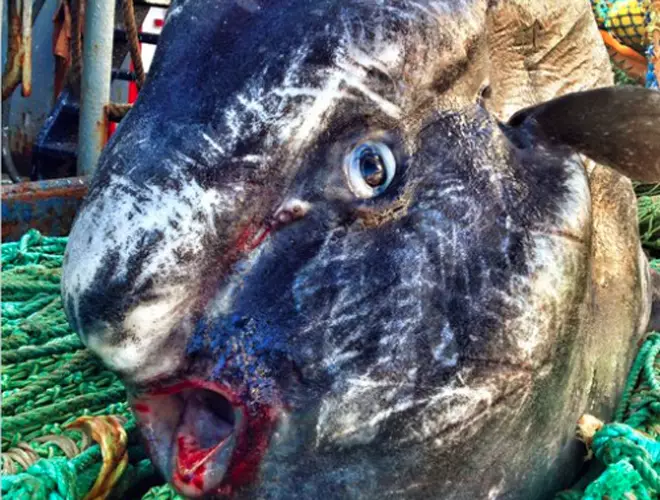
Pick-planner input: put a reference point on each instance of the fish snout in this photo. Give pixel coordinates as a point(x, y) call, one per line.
point(204, 437)
point(138, 329)
point(135, 279)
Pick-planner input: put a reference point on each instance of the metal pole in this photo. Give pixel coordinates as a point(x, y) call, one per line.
point(95, 86)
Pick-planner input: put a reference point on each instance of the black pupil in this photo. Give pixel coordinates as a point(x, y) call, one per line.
point(372, 169)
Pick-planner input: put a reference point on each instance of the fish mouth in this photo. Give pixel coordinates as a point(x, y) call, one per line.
point(193, 431)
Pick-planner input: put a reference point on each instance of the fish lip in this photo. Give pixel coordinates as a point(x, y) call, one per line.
point(193, 383)
point(187, 465)
point(251, 430)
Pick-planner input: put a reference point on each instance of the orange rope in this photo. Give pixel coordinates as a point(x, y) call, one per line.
point(630, 61)
point(621, 49)
point(109, 433)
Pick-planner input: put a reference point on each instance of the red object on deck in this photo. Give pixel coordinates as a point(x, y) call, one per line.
point(132, 86)
point(132, 93)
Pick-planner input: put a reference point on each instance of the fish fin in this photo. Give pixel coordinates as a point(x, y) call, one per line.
point(618, 127)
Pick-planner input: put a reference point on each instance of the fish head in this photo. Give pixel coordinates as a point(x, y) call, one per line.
point(318, 261)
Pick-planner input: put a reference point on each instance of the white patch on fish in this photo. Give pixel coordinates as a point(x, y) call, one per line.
point(439, 350)
point(182, 218)
point(173, 12)
point(144, 331)
point(495, 492)
point(257, 159)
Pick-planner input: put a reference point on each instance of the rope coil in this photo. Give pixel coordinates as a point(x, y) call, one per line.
point(67, 430)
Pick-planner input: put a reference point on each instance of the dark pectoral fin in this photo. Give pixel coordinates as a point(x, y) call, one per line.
point(616, 126)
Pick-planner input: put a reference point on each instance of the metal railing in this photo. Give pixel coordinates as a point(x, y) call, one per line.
point(97, 74)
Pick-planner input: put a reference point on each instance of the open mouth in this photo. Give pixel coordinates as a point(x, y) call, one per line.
point(204, 442)
point(192, 431)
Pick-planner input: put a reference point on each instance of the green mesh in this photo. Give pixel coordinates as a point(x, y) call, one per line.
point(48, 380)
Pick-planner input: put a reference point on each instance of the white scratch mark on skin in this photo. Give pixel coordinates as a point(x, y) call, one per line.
point(439, 351)
point(252, 158)
point(179, 158)
point(233, 122)
point(339, 357)
point(308, 92)
point(172, 13)
point(213, 143)
point(421, 8)
point(495, 491)
point(378, 418)
point(355, 65)
point(354, 422)
point(296, 109)
point(313, 117)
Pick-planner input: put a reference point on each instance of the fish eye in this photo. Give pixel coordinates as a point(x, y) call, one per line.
point(370, 168)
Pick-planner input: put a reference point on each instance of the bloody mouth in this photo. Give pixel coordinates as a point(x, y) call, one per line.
point(217, 441)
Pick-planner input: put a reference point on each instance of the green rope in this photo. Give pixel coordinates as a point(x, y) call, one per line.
point(643, 363)
point(54, 479)
point(48, 381)
point(69, 479)
point(648, 208)
point(14, 400)
point(628, 446)
point(56, 346)
point(164, 492)
point(621, 481)
point(59, 412)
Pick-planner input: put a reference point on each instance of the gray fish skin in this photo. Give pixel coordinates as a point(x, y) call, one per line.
point(438, 340)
